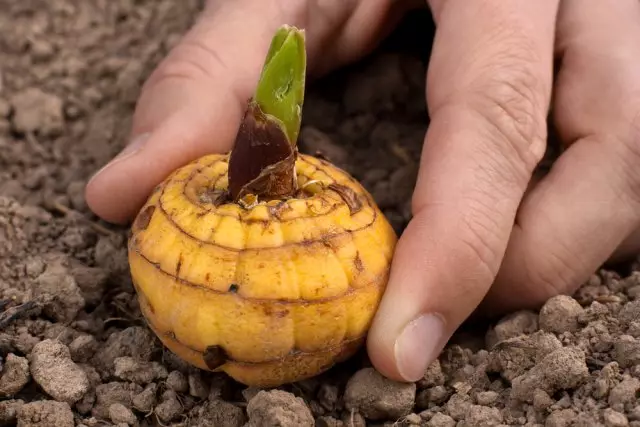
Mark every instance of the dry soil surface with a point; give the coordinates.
(74, 348)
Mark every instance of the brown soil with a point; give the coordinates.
(73, 346)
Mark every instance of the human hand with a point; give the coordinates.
(193, 102)
(489, 88)
(481, 228)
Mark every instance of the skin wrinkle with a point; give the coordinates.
(480, 215)
(477, 242)
(494, 165)
(516, 115)
(495, 172)
(508, 104)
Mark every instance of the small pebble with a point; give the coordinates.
(169, 409)
(38, 112)
(58, 375)
(413, 419)
(138, 371)
(486, 398)
(327, 421)
(177, 382)
(614, 418)
(458, 406)
(145, 400)
(627, 351)
(83, 348)
(433, 375)
(624, 393)
(560, 314)
(441, 420)
(480, 416)
(9, 410)
(562, 369)
(45, 413)
(14, 375)
(118, 413)
(378, 397)
(278, 408)
(513, 325)
(197, 386)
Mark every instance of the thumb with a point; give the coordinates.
(191, 105)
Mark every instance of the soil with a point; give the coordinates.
(74, 348)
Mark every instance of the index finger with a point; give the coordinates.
(194, 101)
(488, 90)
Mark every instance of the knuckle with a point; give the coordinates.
(510, 100)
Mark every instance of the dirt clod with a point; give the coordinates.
(278, 408)
(513, 325)
(377, 397)
(135, 341)
(624, 393)
(562, 369)
(169, 408)
(9, 410)
(118, 413)
(327, 421)
(627, 351)
(177, 382)
(83, 348)
(219, 413)
(113, 392)
(59, 288)
(140, 372)
(560, 314)
(58, 375)
(91, 281)
(487, 398)
(145, 400)
(480, 416)
(37, 112)
(614, 418)
(560, 418)
(15, 375)
(441, 420)
(45, 413)
(313, 140)
(198, 386)
(433, 376)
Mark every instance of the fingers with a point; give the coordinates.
(193, 102)
(190, 105)
(589, 203)
(488, 89)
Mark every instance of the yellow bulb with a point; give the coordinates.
(270, 292)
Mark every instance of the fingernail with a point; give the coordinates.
(418, 345)
(132, 148)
